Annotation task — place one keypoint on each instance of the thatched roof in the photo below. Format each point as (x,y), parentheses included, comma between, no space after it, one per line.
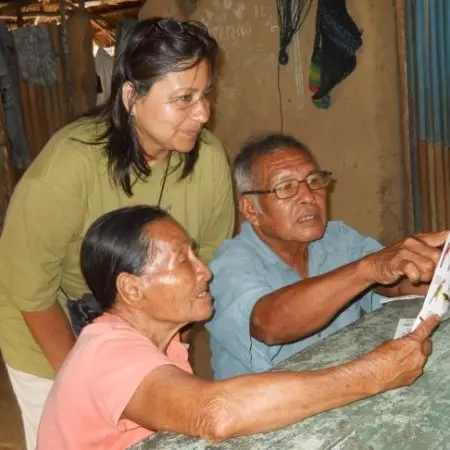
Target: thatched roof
(104,13)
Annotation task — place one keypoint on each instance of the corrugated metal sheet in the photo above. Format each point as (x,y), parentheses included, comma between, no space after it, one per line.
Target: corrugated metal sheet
(45,108)
(427,42)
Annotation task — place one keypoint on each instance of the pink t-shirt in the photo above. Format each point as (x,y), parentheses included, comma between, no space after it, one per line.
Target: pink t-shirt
(109,361)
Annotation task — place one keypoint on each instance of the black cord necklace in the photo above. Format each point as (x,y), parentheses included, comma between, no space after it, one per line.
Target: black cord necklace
(161,192)
(163,185)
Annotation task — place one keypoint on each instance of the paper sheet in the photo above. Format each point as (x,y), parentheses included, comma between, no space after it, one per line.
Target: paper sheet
(437,300)
(401,297)
(403,327)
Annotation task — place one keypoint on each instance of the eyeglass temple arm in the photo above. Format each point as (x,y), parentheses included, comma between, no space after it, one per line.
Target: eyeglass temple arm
(268,191)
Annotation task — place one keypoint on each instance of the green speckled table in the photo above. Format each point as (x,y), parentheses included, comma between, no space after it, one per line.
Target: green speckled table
(415,417)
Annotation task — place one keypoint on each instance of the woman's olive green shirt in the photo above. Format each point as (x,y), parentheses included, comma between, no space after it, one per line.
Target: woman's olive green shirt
(65,189)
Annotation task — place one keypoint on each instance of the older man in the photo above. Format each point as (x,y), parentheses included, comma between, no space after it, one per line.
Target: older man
(291,277)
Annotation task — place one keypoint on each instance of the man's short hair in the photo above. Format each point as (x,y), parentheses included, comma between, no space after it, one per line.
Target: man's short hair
(256,147)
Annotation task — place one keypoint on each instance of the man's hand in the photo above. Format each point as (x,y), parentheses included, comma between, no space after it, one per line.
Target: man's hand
(414,258)
(400,362)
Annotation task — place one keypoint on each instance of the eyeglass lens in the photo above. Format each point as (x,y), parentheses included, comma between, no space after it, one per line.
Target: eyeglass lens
(290,188)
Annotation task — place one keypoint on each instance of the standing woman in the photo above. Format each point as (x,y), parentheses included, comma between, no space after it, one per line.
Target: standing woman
(147,145)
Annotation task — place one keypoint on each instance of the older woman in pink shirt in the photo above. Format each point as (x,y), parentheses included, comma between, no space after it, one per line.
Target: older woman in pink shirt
(128,374)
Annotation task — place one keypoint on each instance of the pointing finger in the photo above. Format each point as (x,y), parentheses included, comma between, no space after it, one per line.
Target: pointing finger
(433,239)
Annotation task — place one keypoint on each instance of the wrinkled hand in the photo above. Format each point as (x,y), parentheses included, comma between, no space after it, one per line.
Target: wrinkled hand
(400,362)
(414,258)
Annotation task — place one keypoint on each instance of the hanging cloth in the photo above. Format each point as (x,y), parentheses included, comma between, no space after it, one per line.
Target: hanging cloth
(10,98)
(35,55)
(104,67)
(334,54)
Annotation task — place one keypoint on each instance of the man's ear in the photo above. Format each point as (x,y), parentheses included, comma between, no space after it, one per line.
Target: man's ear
(249,209)
(129,288)
(128,96)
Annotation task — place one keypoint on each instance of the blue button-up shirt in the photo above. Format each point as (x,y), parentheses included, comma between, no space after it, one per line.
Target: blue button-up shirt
(246,269)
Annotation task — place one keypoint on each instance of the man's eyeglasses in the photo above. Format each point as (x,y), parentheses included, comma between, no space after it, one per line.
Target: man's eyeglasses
(289,188)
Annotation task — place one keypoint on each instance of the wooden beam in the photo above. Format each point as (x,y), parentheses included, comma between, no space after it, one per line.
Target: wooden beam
(17,3)
(19,16)
(14,3)
(93,3)
(104,15)
(30,15)
(11,6)
(56,14)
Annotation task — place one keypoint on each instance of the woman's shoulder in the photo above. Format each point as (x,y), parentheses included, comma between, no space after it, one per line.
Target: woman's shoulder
(71,149)
(84,130)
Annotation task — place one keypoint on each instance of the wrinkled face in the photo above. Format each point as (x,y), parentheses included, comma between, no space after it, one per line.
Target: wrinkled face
(175,282)
(172,114)
(302,218)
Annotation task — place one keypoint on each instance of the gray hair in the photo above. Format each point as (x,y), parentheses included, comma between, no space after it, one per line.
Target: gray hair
(256,147)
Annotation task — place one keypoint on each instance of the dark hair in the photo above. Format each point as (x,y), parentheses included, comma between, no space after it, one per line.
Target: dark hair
(150,50)
(116,242)
(257,146)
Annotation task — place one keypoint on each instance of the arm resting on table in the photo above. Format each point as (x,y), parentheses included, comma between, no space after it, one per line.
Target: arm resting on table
(170,399)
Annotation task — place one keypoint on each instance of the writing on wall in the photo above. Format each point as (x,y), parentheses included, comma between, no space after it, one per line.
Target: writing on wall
(231,20)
